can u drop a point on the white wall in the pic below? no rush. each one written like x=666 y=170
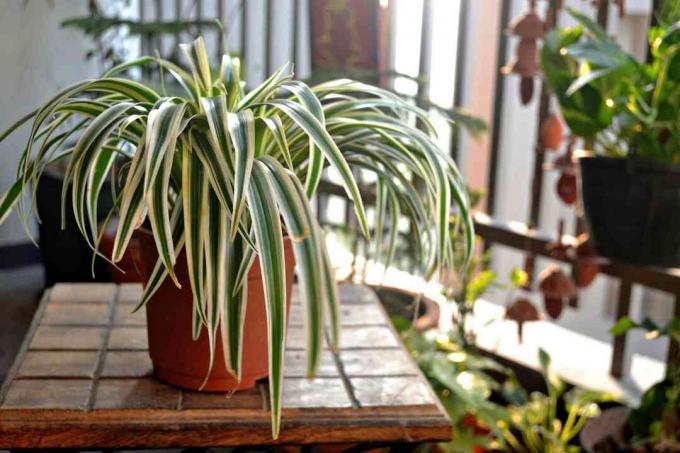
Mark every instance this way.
x=38 y=58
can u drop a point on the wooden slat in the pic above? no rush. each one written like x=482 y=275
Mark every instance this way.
x=526 y=239
x=84 y=380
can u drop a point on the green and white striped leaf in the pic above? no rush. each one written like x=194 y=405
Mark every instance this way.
x=215 y=244
x=233 y=313
x=200 y=66
x=278 y=132
x=323 y=140
x=195 y=187
x=85 y=152
x=269 y=238
x=263 y=91
x=298 y=218
x=133 y=208
x=163 y=130
x=242 y=131
x=159 y=214
x=316 y=158
x=159 y=271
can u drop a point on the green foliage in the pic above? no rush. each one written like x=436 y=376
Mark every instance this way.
x=464 y=382
x=655 y=423
x=518 y=277
x=534 y=425
x=653 y=330
x=616 y=103
x=478 y=391
x=218 y=172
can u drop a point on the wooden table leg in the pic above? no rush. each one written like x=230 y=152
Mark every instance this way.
x=619 y=350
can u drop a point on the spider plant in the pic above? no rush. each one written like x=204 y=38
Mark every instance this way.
x=217 y=170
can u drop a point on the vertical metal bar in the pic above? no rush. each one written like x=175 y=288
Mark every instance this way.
x=244 y=31
x=143 y=41
x=310 y=24
x=461 y=51
x=221 y=37
x=619 y=349
x=539 y=156
x=199 y=16
x=375 y=22
x=459 y=75
x=268 y=38
x=178 y=37
x=294 y=34
x=425 y=53
x=603 y=14
x=673 y=357
x=158 y=43
x=656 y=5
x=497 y=118
x=386 y=78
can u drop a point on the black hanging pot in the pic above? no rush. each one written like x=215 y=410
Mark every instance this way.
x=632 y=209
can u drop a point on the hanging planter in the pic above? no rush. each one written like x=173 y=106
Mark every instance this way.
x=624 y=112
x=632 y=209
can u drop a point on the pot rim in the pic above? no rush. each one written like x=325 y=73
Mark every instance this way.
x=636 y=164
x=287 y=244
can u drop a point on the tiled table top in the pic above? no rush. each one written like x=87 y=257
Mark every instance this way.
x=84 y=379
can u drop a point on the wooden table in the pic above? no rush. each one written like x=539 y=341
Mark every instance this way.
x=83 y=379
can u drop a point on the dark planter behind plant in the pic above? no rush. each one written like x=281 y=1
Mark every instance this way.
x=632 y=209
x=65 y=253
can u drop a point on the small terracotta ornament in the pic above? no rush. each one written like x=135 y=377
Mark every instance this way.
x=552 y=131
x=556 y=288
x=566 y=188
x=529 y=28
x=553 y=306
x=521 y=310
x=526 y=90
x=528 y=25
x=559 y=249
x=587 y=264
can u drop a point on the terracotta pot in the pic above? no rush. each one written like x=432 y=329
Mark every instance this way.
x=177 y=358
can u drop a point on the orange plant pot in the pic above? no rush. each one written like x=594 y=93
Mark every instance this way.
x=177 y=358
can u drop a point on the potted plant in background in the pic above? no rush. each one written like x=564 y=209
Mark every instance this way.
x=654 y=425
x=205 y=178
x=626 y=111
